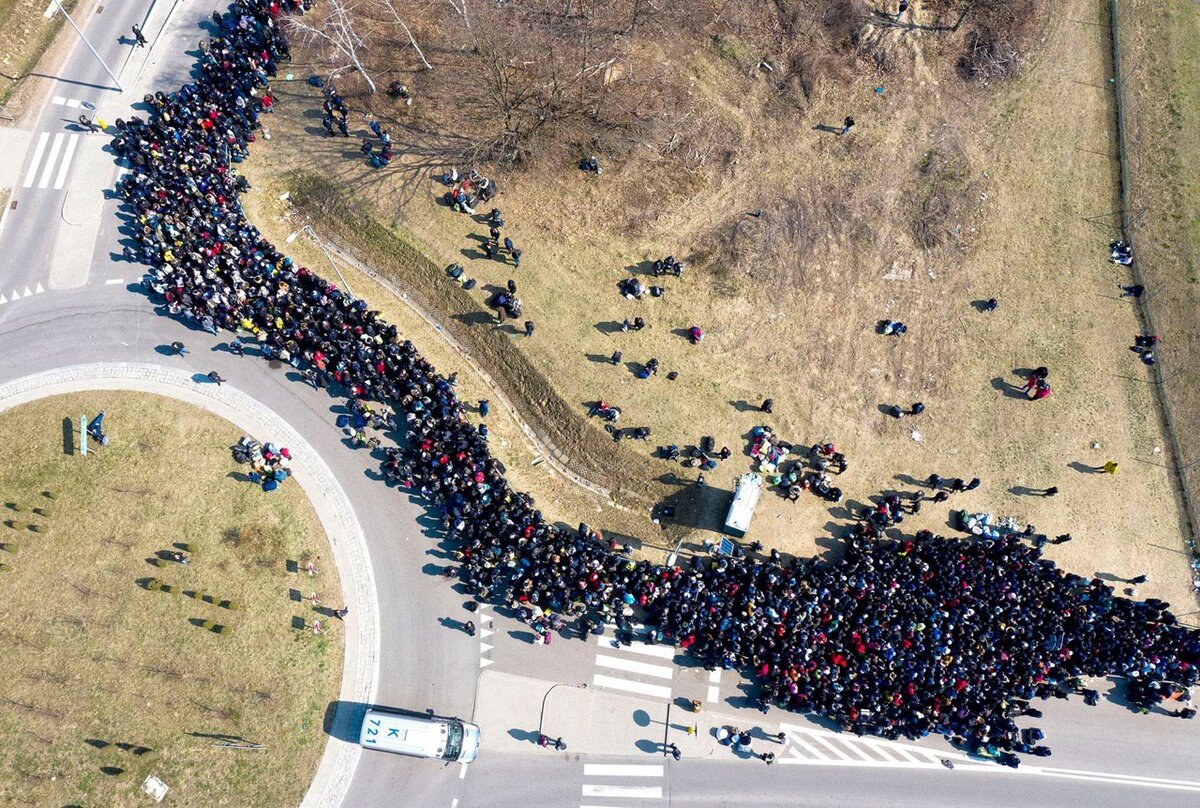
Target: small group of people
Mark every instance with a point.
(270, 465)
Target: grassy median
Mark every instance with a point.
(121, 662)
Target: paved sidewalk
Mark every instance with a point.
(360, 673)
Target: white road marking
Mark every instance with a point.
(618, 770)
(58, 99)
(28, 292)
(484, 633)
(714, 686)
(16, 295)
(483, 663)
(50, 9)
(633, 666)
(38, 289)
(454, 803)
(37, 159)
(462, 773)
(832, 747)
(48, 168)
(61, 179)
(484, 648)
(3, 300)
(626, 792)
(613, 683)
(660, 651)
(114, 281)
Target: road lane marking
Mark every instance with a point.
(114, 281)
(613, 683)
(37, 159)
(621, 770)
(633, 666)
(483, 663)
(3, 300)
(61, 179)
(48, 169)
(462, 773)
(626, 792)
(38, 289)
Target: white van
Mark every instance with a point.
(420, 736)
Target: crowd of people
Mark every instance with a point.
(900, 638)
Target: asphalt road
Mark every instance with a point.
(1103, 756)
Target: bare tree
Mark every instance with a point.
(460, 8)
(337, 31)
(412, 39)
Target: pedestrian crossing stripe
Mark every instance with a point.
(817, 747)
(38, 289)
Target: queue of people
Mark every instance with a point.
(902, 637)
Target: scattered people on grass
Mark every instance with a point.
(902, 637)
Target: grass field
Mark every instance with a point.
(27, 33)
(789, 301)
(1161, 87)
(108, 680)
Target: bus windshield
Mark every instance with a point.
(454, 740)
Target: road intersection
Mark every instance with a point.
(70, 300)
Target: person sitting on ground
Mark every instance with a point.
(695, 334)
(893, 327)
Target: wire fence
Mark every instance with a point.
(1164, 258)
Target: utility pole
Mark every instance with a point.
(89, 45)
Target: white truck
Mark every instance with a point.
(420, 736)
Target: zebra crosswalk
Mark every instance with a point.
(818, 747)
(635, 668)
(620, 784)
(42, 173)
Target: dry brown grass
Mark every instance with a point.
(113, 663)
(945, 193)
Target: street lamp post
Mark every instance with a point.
(116, 81)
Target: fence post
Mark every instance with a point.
(83, 435)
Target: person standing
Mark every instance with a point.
(847, 125)
(1109, 467)
(215, 377)
(616, 357)
(900, 11)
(767, 405)
(1049, 492)
(529, 328)
(138, 36)
(485, 407)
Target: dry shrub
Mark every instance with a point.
(999, 35)
(945, 197)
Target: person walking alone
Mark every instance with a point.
(138, 36)
(847, 125)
